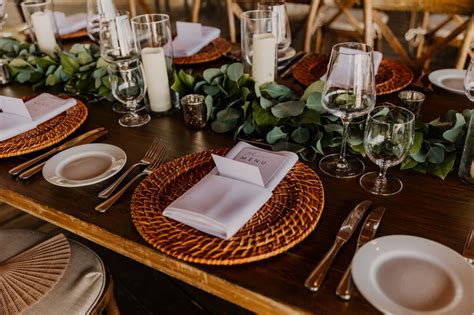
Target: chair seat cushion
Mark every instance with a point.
(81, 286)
(437, 19)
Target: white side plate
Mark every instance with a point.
(449, 79)
(84, 165)
(286, 54)
(401, 274)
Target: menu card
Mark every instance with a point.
(17, 117)
(226, 198)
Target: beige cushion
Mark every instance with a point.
(78, 291)
(341, 23)
(437, 19)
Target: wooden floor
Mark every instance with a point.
(138, 289)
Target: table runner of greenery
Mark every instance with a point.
(271, 113)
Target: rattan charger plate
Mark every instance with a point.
(391, 77)
(285, 220)
(73, 35)
(213, 51)
(46, 134)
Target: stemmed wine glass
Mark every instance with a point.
(349, 92)
(129, 88)
(469, 81)
(93, 20)
(388, 137)
(284, 32)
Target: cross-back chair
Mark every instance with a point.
(428, 46)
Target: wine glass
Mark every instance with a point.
(469, 81)
(284, 32)
(93, 20)
(388, 137)
(349, 92)
(129, 88)
(116, 38)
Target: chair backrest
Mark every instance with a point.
(432, 6)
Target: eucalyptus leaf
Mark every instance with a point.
(229, 113)
(78, 49)
(209, 101)
(314, 102)
(220, 126)
(248, 127)
(276, 91)
(308, 117)
(300, 135)
(288, 109)
(211, 90)
(186, 79)
(419, 156)
(265, 103)
(23, 76)
(235, 71)
(84, 58)
(262, 117)
(19, 63)
(452, 134)
(442, 169)
(199, 85)
(435, 154)
(275, 135)
(210, 74)
(408, 164)
(418, 141)
(69, 64)
(288, 146)
(315, 87)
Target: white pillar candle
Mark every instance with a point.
(263, 58)
(44, 32)
(156, 77)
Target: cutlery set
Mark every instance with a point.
(153, 158)
(367, 233)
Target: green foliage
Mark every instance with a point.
(79, 71)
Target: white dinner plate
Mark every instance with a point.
(449, 79)
(286, 54)
(401, 274)
(84, 165)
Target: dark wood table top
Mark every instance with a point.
(442, 211)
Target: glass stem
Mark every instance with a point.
(345, 133)
(381, 178)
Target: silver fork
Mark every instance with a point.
(104, 206)
(468, 251)
(149, 156)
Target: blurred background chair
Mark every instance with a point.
(431, 41)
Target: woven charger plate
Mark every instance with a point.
(391, 77)
(211, 52)
(76, 34)
(285, 220)
(46, 134)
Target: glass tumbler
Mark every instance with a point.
(259, 42)
(42, 25)
(284, 32)
(153, 41)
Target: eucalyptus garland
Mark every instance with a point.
(275, 115)
(80, 70)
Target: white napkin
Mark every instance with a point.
(71, 23)
(192, 37)
(226, 198)
(340, 72)
(17, 117)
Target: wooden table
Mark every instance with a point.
(427, 207)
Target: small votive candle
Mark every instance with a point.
(412, 100)
(194, 110)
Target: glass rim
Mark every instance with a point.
(139, 18)
(402, 96)
(392, 106)
(33, 4)
(339, 45)
(246, 15)
(271, 3)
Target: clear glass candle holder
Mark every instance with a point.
(154, 43)
(194, 110)
(466, 167)
(42, 25)
(259, 44)
(284, 32)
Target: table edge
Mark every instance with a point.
(150, 257)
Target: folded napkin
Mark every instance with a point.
(226, 198)
(17, 117)
(192, 37)
(71, 23)
(341, 67)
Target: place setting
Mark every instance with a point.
(231, 179)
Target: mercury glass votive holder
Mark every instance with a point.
(194, 110)
(412, 100)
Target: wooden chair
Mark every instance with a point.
(428, 46)
(107, 304)
(233, 9)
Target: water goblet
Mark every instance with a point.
(129, 88)
(284, 32)
(469, 81)
(388, 137)
(349, 92)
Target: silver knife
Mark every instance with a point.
(367, 233)
(316, 278)
(18, 169)
(35, 169)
